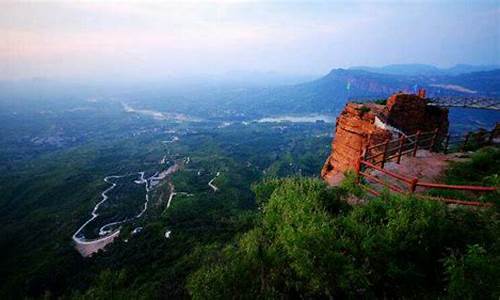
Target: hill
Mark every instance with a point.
(309, 243)
(329, 93)
(423, 69)
(218, 100)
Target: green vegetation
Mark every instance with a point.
(309, 243)
(483, 169)
(257, 236)
(363, 110)
(47, 193)
(380, 101)
(477, 139)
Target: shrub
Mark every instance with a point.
(310, 244)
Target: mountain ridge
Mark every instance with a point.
(426, 69)
(330, 92)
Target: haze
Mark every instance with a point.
(136, 40)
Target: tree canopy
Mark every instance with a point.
(310, 243)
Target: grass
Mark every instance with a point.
(482, 169)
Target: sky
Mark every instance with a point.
(170, 39)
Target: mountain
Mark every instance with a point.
(401, 69)
(423, 69)
(61, 143)
(462, 69)
(329, 93)
(486, 83)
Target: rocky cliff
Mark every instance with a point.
(361, 124)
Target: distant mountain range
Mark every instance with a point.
(327, 94)
(423, 69)
(330, 92)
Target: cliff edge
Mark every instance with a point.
(363, 124)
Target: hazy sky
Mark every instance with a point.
(132, 39)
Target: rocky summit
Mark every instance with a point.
(363, 124)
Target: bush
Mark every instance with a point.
(473, 275)
(482, 169)
(311, 244)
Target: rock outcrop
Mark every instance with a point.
(361, 124)
(409, 113)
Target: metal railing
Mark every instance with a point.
(375, 156)
(396, 148)
(412, 183)
(471, 139)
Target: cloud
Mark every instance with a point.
(83, 38)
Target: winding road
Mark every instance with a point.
(210, 183)
(87, 247)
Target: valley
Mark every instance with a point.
(236, 149)
(144, 188)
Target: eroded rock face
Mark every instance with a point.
(360, 124)
(353, 128)
(409, 113)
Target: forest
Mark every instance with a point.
(271, 229)
(309, 243)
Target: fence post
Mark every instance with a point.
(446, 142)
(413, 185)
(365, 152)
(386, 145)
(465, 142)
(357, 168)
(400, 150)
(434, 138)
(415, 148)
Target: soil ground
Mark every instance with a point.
(426, 166)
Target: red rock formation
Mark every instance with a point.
(410, 113)
(360, 124)
(354, 125)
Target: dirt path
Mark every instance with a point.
(426, 166)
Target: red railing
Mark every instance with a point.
(412, 183)
(391, 149)
(479, 138)
(394, 149)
